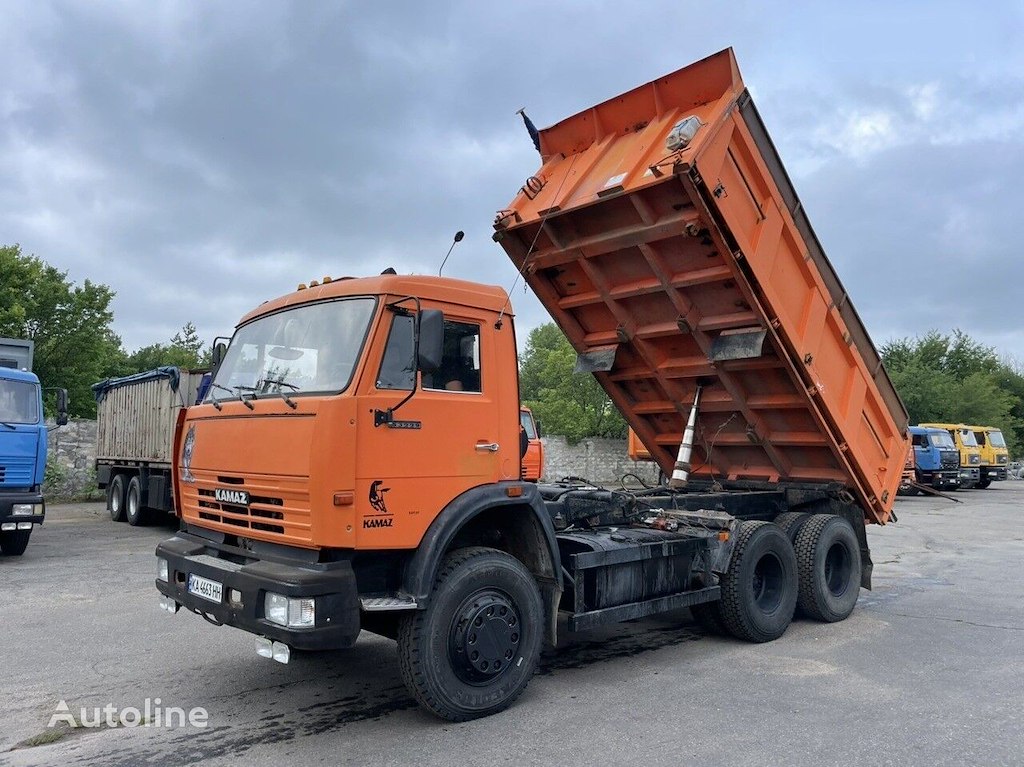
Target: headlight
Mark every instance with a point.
(293, 613)
(26, 509)
(975, 459)
(161, 569)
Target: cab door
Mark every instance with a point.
(443, 441)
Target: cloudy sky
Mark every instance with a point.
(202, 157)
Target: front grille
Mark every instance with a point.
(277, 505)
(252, 516)
(16, 472)
(950, 459)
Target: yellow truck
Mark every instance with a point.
(994, 454)
(970, 453)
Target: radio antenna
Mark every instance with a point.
(458, 238)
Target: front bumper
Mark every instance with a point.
(8, 500)
(333, 585)
(993, 473)
(969, 474)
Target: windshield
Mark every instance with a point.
(942, 440)
(995, 437)
(312, 348)
(19, 402)
(967, 437)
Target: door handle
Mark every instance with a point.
(488, 446)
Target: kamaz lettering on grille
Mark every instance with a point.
(234, 497)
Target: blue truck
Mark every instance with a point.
(22, 445)
(936, 458)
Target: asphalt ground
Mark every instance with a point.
(929, 669)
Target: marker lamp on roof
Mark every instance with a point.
(682, 133)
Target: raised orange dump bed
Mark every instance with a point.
(674, 253)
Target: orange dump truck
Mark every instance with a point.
(357, 461)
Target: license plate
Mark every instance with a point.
(205, 588)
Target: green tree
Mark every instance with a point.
(74, 344)
(570, 404)
(955, 379)
(185, 351)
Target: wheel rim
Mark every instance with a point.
(484, 637)
(133, 504)
(768, 583)
(837, 569)
(115, 500)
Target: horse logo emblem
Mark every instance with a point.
(186, 455)
(377, 497)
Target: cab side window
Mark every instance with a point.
(460, 363)
(397, 369)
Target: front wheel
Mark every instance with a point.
(473, 650)
(14, 542)
(759, 588)
(982, 484)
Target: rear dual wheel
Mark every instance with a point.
(828, 558)
(134, 511)
(115, 497)
(759, 589)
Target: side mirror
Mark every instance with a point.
(431, 345)
(536, 426)
(217, 353)
(62, 407)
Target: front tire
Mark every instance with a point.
(115, 498)
(828, 557)
(759, 589)
(14, 542)
(133, 509)
(473, 650)
(982, 484)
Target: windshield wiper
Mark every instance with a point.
(241, 388)
(214, 400)
(10, 426)
(279, 383)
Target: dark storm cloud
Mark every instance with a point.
(201, 158)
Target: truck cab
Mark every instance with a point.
(333, 436)
(994, 454)
(936, 458)
(22, 458)
(967, 446)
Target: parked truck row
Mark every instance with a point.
(331, 481)
(954, 456)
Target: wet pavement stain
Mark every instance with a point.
(375, 703)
